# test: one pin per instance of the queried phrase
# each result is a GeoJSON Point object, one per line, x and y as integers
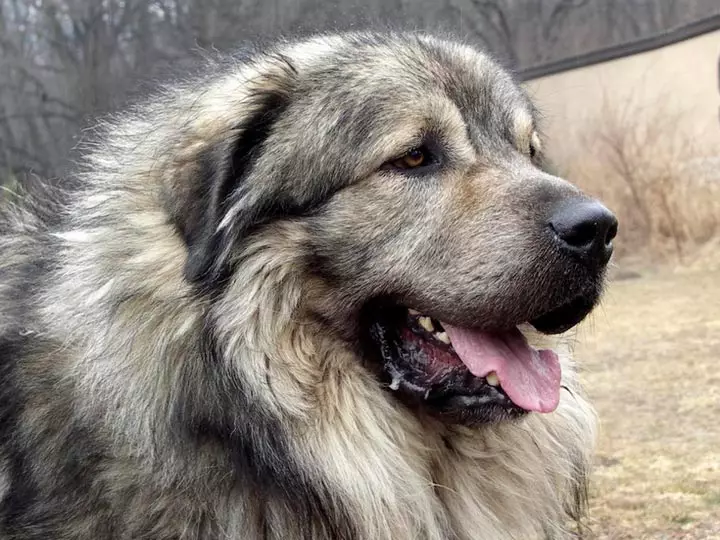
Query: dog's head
{"type": "Point", "coordinates": [413, 165]}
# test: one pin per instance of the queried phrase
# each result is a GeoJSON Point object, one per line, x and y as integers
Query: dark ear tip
{"type": "Point", "coordinates": [222, 169]}
{"type": "Point", "coordinates": [195, 269]}
{"type": "Point", "coordinates": [198, 266]}
{"type": "Point", "coordinates": [204, 267]}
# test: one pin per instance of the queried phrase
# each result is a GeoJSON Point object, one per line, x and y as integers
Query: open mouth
{"type": "Point", "coordinates": [470, 375]}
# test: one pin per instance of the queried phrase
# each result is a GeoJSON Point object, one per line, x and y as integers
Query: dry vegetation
{"type": "Point", "coordinates": [651, 356]}
{"type": "Point", "coordinates": [663, 183]}
{"type": "Point", "coordinates": [651, 353]}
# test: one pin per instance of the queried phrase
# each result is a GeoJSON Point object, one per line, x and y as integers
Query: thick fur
{"type": "Point", "coordinates": [178, 332]}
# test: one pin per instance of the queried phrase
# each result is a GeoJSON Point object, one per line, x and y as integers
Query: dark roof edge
{"type": "Point", "coordinates": [669, 37]}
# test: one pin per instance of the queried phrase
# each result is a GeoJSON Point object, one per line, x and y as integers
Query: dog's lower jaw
{"type": "Point", "coordinates": [374, 448]}
{"type": "Point", "coordinates": [391, 440]}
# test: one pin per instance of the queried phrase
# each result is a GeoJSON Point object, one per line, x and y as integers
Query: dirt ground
{"type": "Point", "coordinates": [651, 360]}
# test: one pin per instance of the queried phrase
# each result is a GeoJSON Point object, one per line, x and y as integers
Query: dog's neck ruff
{"type": "Point", "coordinates": [382, 458]}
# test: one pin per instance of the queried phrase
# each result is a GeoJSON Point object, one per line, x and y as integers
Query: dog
{"type": "Point", "coordinates": [310, 292]}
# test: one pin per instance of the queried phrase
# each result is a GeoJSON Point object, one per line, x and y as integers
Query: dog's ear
{"type": "Point", "coordinates": [220, 183]}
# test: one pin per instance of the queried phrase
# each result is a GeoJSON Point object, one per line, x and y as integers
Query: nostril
{"type": "Point", "coordinates": [580, 235]}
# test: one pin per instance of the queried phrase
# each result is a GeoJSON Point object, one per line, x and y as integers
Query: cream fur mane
{"type": "Point", "coordinates": [403, 476]}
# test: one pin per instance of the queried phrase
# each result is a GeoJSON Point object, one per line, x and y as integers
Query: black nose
{"type": "Point", "coordinates": [585, 229]}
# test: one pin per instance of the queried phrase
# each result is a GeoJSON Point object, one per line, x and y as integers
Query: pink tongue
{"type": "Point", "coordinates": [530, 378]}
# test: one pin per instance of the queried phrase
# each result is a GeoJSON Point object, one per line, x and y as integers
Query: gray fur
{"type": "Point", "coordinates": [179, 335]}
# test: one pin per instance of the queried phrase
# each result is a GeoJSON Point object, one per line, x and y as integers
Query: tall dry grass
{"type": "Point", "coordinates": [661, 181]}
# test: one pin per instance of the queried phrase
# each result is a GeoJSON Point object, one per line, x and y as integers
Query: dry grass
{"type": "Point", "coordinates": [662, 182]}
{"type": "Point", "coordinates": [652, 367]}
{"type": "Point", "coordinates": [652, 351]}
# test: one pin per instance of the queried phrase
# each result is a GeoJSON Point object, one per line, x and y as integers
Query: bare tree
{"type": "Point", "coordinates": [63, 62]}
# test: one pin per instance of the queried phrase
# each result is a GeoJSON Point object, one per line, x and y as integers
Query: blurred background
{"type": "Point", "coordinates": [630, 96]}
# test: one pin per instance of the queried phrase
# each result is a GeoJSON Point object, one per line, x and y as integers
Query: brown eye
{"type": "Point", "coordinates": [416, 157]}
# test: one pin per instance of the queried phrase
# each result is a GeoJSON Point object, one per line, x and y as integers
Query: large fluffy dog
{"type": "Point", "coordinates": [289, 299]}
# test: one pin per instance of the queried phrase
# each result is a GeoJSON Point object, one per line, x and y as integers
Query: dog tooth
{"type": "Point", "coordinates": [395, 384]}
{"type": "Point", "coordinates": [492, 379]}
{"type": "Point", "coordinates": [413, 312]}
{"type": "Point", "coordinates": [442, 336]}
{"type": "Point", "coordinates": [426, 323]}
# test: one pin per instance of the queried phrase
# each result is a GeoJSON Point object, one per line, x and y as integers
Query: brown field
{"type": "Point", "coordinates": [651, 352]}
{"type": "Point", "coordinates": [651, 360]}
